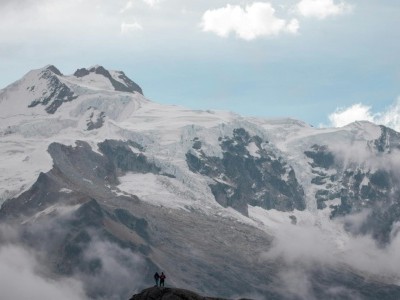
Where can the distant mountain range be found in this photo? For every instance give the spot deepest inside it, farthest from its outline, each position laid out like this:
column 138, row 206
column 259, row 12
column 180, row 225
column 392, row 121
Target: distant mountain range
column 106, row 187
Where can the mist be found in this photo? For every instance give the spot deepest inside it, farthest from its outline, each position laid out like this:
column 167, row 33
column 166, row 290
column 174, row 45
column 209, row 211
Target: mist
column 317, row 245
column 31, row 255
column 118, row 273
column 23, row 277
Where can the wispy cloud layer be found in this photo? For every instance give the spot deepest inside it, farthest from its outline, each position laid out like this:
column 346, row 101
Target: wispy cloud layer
column 359, row 112
column 131, row 4
column 319, row 242
column 253, row 21
column 322, row 9
column 130, row 27
column 152, row 3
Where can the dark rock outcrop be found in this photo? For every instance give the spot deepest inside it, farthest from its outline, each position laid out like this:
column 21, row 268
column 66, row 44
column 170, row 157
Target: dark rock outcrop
column 248, row 173
column 81, row 72
column 124, row 159
column 159, row 293
column 57, row 92
column 124, row 84
column 95, row 119
column 360, row 187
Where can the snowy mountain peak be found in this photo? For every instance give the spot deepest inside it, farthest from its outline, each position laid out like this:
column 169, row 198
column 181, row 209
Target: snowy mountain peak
column 53, row 69
column 46, row 90
column 41, row 89
column 119, row 81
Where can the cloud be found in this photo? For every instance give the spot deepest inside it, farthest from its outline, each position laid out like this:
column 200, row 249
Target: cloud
column 105, row 269
column 356, row 112
column 317, row 242
column 152, row 3
column 20, row 279
column 86, row 21
column 20, row 4
column 322, row 9
column 128, row 6
column 121, row 269
column 390, row 117
column 251, row 22
column 130, row 27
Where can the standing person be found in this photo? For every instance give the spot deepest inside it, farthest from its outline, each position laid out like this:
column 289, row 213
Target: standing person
column 156, row 278
column 162, row 278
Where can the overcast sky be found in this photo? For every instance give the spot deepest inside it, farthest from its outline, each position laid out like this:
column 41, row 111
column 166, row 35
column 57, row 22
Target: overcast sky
column 321, row 61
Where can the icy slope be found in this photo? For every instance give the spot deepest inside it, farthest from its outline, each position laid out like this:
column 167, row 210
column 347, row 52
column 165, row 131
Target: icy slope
column 46, row 106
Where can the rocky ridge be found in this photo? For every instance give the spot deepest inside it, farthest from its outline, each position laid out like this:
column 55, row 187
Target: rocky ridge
column 160, row 293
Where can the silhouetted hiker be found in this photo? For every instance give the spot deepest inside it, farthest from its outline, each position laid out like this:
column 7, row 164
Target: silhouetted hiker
column 162, row 278
column 156, row 278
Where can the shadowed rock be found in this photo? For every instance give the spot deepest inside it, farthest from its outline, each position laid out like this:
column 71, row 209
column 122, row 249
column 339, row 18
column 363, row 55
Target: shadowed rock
column 57, row 92
column 124, row 85
column 158, row 293
column 248, row 173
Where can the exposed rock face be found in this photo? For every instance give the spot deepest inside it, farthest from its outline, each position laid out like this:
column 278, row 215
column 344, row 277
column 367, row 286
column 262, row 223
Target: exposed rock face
column 95, row 119
column 361, row 186
column 388, row 141
column 74, row 210
column 54, row 70
column 248, row 173
column 123, row 84
column 81, row 72
column 89, row 173
column 56, row 93
column 124, row 159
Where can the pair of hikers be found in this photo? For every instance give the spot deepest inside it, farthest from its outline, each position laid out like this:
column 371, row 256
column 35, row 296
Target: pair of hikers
column 159, row 278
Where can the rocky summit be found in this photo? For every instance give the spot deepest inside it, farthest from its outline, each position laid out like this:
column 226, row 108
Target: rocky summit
column 161, row 293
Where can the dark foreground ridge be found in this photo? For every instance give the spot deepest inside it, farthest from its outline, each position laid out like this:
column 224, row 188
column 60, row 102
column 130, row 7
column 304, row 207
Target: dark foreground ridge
column 160, row 293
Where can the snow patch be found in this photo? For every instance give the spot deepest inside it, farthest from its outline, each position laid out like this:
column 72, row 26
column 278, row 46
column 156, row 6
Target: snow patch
column 253, row 149
column 165, row 191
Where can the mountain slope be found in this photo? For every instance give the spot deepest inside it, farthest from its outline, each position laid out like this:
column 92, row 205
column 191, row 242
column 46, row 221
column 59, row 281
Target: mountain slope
column 115, row 187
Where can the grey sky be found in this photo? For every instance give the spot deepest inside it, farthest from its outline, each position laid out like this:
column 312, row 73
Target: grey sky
column 231, row 55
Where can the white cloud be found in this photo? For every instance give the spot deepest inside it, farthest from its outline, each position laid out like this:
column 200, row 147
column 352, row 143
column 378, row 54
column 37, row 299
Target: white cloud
column 359, row 112
column 356, row 112
column 253, row 21
column 130, row 27
column 322, row 9
column 152, row 3
column 391, row 117
column 128, row 6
